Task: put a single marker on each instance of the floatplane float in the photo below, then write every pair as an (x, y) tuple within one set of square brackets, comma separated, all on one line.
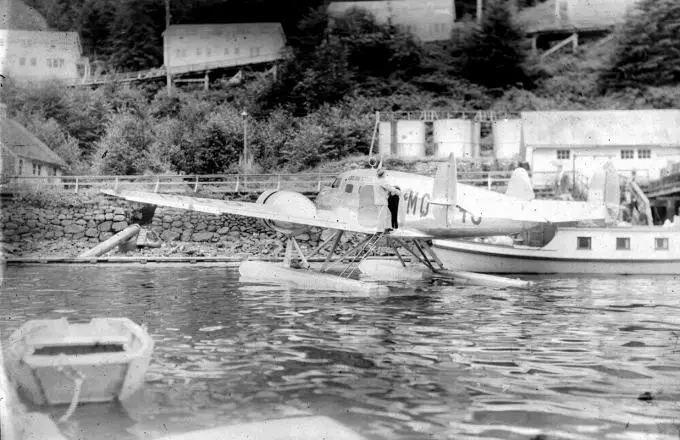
[(355, 203)]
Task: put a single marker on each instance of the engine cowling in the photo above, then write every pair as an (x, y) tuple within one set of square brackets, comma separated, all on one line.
[(291, 203)]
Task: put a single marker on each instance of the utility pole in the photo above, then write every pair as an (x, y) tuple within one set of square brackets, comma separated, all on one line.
[(479, 11), (166, 44), (246, 165)]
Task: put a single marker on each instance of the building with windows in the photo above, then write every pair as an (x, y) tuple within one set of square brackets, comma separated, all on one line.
[(23, 154), (199, 47), (428, 20), (638, 142), (41, 55)]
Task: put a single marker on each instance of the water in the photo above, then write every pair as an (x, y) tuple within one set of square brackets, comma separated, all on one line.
[(569, 360)]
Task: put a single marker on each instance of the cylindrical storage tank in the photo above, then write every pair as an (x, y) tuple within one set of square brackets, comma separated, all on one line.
[(458, 136), (507, 138), (411, 138), (385, 138)]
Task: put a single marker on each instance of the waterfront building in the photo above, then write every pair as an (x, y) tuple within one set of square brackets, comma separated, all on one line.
[(41, 55), (199, 47), (640, 143), (428, 20), (23, 154)]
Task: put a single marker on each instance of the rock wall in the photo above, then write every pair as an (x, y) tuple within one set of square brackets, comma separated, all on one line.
[(96, 221)]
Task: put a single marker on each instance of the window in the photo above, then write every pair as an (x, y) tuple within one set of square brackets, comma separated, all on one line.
[(583, 243), (349, 188), (21, 166), (661, 244), (627, 154), (178, 53), (198, 52), (644, 154), (61, 62), (2, 41), (33, 168), (33, 61), (22, 61), (236, 50), (207, 51), (226, 51), (563, 154), (623, 243), (336, 183)]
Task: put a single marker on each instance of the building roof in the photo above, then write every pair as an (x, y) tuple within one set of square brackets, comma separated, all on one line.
[(659, 128), (15, 14), (224, 29), (24, 144)]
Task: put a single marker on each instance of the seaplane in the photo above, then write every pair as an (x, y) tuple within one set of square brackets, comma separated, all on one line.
[(429, 208)]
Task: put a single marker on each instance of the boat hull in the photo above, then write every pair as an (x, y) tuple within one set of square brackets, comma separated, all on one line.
[(109, 355), (563, 259)]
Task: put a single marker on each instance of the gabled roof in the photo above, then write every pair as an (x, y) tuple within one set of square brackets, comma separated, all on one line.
[(24, 144)]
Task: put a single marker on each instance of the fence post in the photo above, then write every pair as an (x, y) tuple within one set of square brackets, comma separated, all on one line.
[(318, 183), (158, 183), (76, 185), (116, 187), (196, 185), (237, 183), (278, 185), (488, 181)]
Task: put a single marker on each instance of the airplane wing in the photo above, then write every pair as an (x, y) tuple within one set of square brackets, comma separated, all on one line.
[(323, 219)]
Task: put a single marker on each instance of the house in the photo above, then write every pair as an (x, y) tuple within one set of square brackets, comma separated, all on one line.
[(23, 154), (592, 13), (210, 46), (41, 55), (427, 20), (15, 14), (638, 142)]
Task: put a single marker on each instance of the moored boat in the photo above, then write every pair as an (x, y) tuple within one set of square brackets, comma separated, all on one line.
[(571, 250), (57, 362)]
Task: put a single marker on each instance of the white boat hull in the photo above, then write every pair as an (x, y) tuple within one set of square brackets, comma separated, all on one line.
[(561, 255), (110, 355)]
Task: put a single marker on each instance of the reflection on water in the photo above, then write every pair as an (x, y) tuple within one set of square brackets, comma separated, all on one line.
[(433, 362)]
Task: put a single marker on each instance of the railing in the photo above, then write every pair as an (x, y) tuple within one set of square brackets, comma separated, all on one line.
[(309, 183), (219, 183)]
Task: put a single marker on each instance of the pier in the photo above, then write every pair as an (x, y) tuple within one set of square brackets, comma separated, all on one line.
[(664, 194)]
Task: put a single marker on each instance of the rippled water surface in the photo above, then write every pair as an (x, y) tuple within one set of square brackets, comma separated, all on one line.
[(567, 360)]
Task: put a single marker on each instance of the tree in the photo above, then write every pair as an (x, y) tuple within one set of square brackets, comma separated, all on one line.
[(125, 147), (648, 49), (492, 53), (136, 40)]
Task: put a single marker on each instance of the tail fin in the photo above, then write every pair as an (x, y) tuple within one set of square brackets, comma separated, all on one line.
[(445, 190), (604, 189), (520, 186)]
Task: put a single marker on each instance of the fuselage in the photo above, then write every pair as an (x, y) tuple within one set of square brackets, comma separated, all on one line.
[(356, 194)]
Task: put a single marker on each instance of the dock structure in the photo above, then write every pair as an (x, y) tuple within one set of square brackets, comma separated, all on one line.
[(664, 194)]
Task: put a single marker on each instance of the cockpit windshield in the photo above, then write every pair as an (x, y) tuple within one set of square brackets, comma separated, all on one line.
[(336, 183)]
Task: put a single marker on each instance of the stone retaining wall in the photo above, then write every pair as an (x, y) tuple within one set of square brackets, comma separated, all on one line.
[(96, 221)]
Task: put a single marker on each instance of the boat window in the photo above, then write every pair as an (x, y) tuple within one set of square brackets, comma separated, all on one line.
[(336, 183), (623, 243), (349, 188), (661, 244), (583, 242)]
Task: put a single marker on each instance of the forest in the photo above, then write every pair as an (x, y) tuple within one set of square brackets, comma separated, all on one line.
[(321, 105)]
